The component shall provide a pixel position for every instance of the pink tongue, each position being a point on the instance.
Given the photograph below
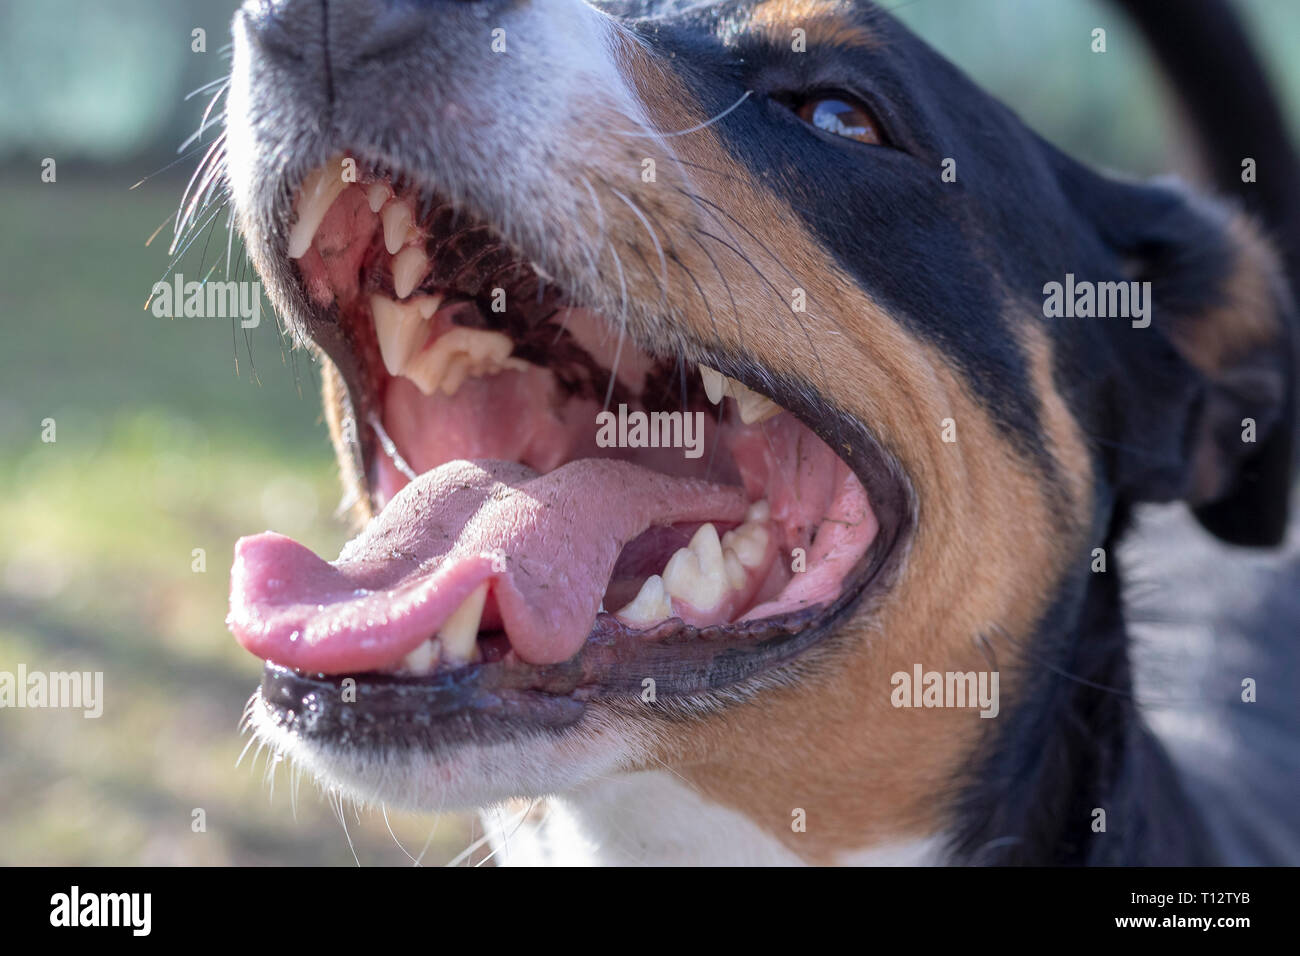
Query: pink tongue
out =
(546, 543)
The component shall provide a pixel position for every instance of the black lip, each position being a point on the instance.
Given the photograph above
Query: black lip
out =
(497, 700)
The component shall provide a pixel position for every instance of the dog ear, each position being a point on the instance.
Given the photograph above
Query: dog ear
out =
(1206, 380)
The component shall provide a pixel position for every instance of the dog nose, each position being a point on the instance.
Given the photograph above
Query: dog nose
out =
(336, 35)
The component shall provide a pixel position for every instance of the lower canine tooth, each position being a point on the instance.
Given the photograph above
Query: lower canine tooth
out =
(697, 573)
(459, 633)
(397, 221)
(319, 190)
(400, 328)
(650, 605)
(409, 267)
(422, 660)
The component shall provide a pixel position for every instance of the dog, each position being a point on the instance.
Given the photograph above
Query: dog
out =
(935, 365)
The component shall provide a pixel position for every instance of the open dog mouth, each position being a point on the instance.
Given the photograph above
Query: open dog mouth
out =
(560, 512)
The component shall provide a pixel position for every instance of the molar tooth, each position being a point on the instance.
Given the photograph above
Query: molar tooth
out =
(409, 267)
(749, 542)
(397, 219)
(754, 408)
(697, 573)
(650, 606)
(399, 327)
(377, 194)
(319, 190)
(459, 633)
(736, 575)
(759, 511)
(483, 351)
(424, 658)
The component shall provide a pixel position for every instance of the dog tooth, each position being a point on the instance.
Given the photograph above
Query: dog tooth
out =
(759, 511)
(319, 190)
(424, 658)
(458, 369)
(482, 349)
(650, 606)
(399, 327)
(754, 408)
(736, 575)
(397, 225)
(459, 633)
(409, 267)
(697, 573)
(378, 194)
(749, 542)
(714, 383)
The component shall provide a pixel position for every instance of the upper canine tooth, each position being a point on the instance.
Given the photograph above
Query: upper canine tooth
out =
(483, 352)
(459, 633)
(714, 383)
(697, 573)
(400, 328)
(378, 194)
(409, 267)
(397, 219)
(319, 190)
(650, 605)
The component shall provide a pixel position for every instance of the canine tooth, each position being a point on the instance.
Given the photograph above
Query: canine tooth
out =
(459, 633)
(409, 267)
(736, 575)
(650, 605)
(397, 225)
(422, 660)
(697, 573)
(749, 542)
(754, 408)
(714, 383)
(319, 190)
(378, 194)
(484, 352)
(399, 327)
(759, 511)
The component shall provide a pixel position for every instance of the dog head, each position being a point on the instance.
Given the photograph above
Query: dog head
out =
(935, 358)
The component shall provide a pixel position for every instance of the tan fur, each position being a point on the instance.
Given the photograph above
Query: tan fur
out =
(820, 18)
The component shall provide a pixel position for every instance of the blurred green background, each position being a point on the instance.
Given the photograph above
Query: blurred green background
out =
(176, 435)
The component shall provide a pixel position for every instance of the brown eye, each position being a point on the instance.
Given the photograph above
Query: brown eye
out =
(842, 116)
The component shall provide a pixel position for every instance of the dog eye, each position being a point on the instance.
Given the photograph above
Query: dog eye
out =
(840, 114)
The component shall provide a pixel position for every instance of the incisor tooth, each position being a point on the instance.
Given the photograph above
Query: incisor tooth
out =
(397, 225)
(409, 267)
(400, 328)
(424, 658)
(378, 194)
(650, 606)
(485, 353)
(319, 190)
(697, 573)
(459, 633)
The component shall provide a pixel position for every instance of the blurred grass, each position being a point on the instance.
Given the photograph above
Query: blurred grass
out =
(166, 441)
